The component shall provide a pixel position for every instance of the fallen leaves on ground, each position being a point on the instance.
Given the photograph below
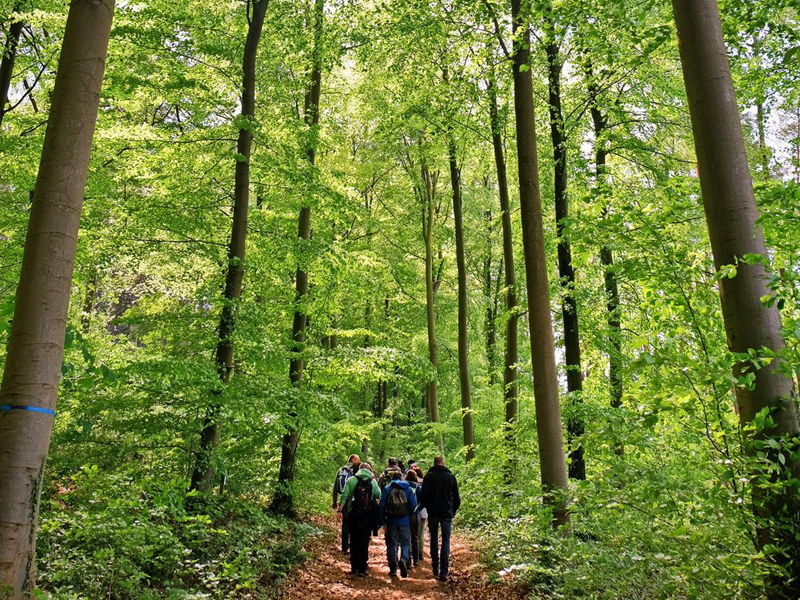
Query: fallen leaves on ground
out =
(326, 575)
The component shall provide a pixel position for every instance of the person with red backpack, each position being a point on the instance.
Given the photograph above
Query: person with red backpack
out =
(342, 475)
(358, 503)
(398, 502)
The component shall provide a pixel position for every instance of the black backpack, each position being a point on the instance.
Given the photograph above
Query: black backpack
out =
(397, 502)
(362, 497)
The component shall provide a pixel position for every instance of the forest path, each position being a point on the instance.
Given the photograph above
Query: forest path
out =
(326, 575)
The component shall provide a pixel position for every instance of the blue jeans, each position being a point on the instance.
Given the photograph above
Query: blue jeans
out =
(397, 535)
(443, 569)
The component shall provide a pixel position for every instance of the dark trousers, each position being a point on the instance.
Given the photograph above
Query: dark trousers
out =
(345, 533)
(360, 530)
(440, 562)
(414, 524)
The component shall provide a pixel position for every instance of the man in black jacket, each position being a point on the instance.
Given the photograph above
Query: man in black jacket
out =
(440, 497)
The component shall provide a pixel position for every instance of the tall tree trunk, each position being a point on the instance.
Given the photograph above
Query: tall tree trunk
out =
(427, 190)
(7, 63)
(490, 326)
(569, 309)
(428, 195)
(763, 149)
(731, 216)
(203, 475)
(463, 307)
(510, 355)
(283, 501)
(613, 317)
(36, 341)
(545, 379)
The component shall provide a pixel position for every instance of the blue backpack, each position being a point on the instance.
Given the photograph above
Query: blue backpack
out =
(342, 476)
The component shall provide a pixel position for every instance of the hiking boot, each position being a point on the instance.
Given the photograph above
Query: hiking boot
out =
(443, 579)
(403, 568)
(393, 575)
(361, 574)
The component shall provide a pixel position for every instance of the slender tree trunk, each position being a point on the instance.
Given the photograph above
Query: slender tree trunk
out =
(490, 326)
(763, 149)
(545, 379)
(88, 302)
(510, 355)
(203, 475)
(36, 341)
(7, 63)
(613, 317)
(432, 391)
(731, 216)
(283, 501)
(569, 309)
(463, 307)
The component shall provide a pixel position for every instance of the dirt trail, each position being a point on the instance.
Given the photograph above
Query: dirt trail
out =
(326, 576)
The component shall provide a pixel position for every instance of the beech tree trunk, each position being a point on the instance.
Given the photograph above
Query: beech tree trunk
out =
(427, 192)
(491, 314)
(36, 341)
(510, 355)
(203, 475)
(283, 501)
(7, 63)
(569, 309)
(763, 149)
(731, 216)
(545, 380)
(613, 318)
(463, 308)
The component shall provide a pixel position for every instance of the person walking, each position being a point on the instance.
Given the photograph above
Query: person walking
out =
(422, 512)
(397, 503)
(440, 496)
(376, 512)
(413, 518)
(358, 504)
(386, 477)
(342, 476)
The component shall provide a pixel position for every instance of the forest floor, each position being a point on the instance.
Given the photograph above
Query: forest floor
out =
(326, 575)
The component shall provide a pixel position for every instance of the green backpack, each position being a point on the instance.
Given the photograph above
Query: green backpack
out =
(397, 503)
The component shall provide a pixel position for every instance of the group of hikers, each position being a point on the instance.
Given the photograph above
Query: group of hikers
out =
(401, 500)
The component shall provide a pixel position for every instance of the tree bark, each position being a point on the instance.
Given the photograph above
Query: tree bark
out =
(36, 341)
(489, 321)
(463, 307)
(427, 193)
(613, 317)
(731, 216)
(510, 354)
(203, 475)
(545, 380)
(763, 149)
(7, 63)
(283, 501)
(566, 272)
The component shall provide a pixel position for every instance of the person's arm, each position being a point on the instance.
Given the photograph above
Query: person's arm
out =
(456, 496)
(346, 493)
(412, 499)
(376, 492)
(423, 497)
(384, 498)
(335, 493)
